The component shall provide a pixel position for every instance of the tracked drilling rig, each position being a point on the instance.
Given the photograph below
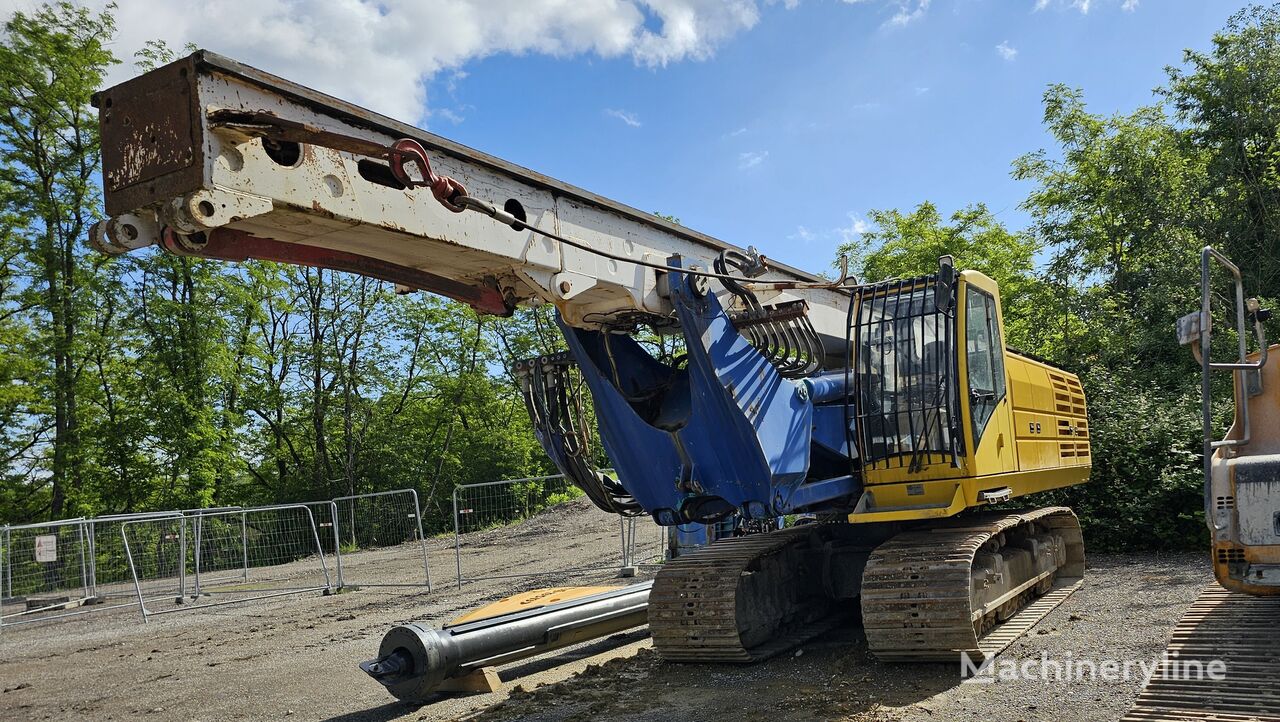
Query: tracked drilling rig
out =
(893, 412)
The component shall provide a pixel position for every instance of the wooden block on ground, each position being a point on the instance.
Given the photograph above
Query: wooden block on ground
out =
(50, 604)
(484, 679)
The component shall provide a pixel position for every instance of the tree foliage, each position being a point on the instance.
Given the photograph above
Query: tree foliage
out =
(1227, 102)
(909, 244)
(51, 60)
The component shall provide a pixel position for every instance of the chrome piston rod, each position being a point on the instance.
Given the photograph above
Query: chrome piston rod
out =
(414, 659)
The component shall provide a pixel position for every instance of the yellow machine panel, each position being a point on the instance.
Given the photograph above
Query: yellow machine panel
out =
(1049, 421)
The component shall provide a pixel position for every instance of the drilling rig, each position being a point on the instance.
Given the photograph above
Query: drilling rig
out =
(892, 413)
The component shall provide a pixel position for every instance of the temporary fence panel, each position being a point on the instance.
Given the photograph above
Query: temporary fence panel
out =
(46, 570)
(277, 551)
(274, 547)
(218, 548)
(109, 576)
(156, 551)
(375, 527)
(499, 513)
(645, 542)
(110, 579)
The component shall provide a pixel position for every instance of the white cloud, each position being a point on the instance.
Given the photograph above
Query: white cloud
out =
(625, 116)
(1007, 51)
(804, 235)
(852, 232)
(908, 12)
(905, 11)
(383, 54)
(921, 90)
(736, 133)
(448, 114)
(1084, 6)
(844, 234)
(751, 159)
(451, 82)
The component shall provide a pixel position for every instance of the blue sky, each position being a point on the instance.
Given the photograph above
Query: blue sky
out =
(793, 129)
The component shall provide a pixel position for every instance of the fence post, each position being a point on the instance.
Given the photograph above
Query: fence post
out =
(84, 568)
(244, 542)
(93, 558)
(457, 543)
(337, 541)
(622, 535)
(182, 562)
(422, 539)
(199, 528)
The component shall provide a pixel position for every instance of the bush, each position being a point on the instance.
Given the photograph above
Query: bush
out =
(1146, 489)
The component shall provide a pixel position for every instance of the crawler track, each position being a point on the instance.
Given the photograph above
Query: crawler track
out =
(739, 600)
(918, 590)
(1237, 629)
(745, 599)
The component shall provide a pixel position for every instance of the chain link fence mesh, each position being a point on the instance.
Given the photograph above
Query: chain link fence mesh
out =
(501, 512)
(376, 527)
(46, 569)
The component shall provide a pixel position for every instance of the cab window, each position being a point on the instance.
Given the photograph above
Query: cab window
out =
(985, 358)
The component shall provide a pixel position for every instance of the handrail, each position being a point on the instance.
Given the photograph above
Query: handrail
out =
(1207, 255)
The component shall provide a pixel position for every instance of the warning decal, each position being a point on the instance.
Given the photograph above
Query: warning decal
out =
(47, 548)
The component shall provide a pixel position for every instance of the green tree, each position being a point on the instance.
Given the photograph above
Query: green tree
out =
(1120, 208)
(1228, 102)
(51, 60)
(910, 244)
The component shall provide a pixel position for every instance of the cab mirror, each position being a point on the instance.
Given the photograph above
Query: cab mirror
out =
(944, 293)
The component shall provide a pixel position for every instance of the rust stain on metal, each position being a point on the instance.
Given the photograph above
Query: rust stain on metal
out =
(149, 131)
(322, 211)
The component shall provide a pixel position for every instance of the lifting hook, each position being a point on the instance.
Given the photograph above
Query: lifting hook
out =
(409, 152)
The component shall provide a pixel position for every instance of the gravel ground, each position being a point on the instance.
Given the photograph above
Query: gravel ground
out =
(296, 657)
(1124, 612)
